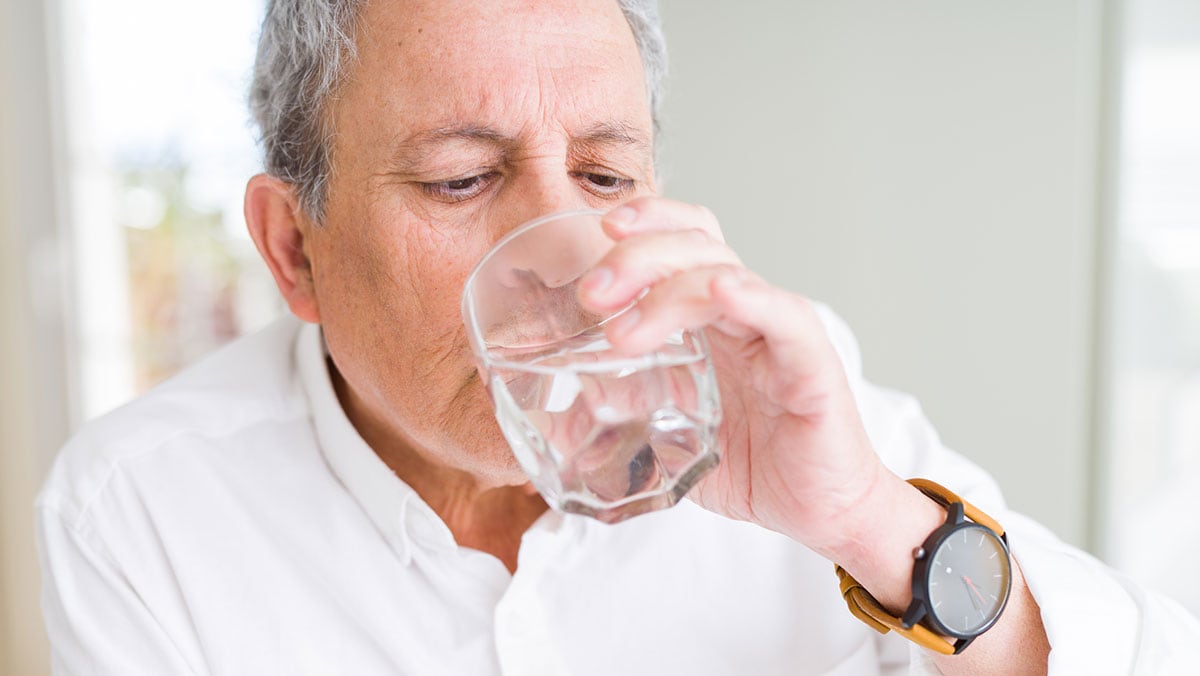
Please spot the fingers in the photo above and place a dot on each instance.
(675, 253)
(683, 301)
(644, 259)
(794, 335)
(734, 301)
(646, 214)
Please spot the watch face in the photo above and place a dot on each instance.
(969, 580)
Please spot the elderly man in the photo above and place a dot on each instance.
(333, 496)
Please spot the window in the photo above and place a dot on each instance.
(161, 147)
(1154, 411)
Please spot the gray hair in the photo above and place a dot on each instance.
(302, 54)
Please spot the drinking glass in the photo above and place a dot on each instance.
(598, 433)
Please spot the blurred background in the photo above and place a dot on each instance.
(1002, 199)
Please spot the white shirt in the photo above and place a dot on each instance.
(232, 521)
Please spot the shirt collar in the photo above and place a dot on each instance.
(401, 516)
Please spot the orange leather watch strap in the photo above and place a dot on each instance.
(864, 606)
(945, 497)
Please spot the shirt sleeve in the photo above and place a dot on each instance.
(96, 622)
(1096, 620)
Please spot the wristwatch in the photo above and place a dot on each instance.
(962, 576)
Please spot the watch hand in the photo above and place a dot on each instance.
(974, 602)
(975, 590)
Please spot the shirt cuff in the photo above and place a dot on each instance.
(1093, 622)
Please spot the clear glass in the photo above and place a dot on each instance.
(598, 433)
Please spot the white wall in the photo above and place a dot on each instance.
(33, 401)
(927, 167)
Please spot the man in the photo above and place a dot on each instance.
(339, 499)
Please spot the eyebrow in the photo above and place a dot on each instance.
(413, 151)
(468, 133)
(613, 133)
(417, 148)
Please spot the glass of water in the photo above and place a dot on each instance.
(598, 433)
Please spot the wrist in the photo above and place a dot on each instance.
(888, 524)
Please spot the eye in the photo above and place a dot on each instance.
(605, 184)
(458, 189)
(604, 181)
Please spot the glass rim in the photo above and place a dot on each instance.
(468, 307)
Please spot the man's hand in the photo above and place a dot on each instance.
(796, 458)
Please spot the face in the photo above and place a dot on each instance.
(969, 581)
(458, 122)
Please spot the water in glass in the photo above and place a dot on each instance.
(606, 436)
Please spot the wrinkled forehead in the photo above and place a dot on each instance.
(434, 64)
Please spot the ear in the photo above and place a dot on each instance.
(279, 227)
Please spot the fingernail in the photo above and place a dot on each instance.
(625, 322)
(595, 282)
(621, 216)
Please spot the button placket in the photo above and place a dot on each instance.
(522, 641)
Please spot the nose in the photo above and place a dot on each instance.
(534, 193)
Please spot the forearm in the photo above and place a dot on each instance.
(897, 519)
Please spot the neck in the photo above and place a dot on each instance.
(481, 513)
(485, 517)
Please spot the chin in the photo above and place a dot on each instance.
(481, 450)
(480, 442)
(503, 465)
(501, 472)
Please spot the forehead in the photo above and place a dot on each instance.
(495, 63)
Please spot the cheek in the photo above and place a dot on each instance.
(391, 287)
(407, 261)
(399, 261)
(428, 270)
(418, 286)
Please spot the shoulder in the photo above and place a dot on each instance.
(249, 383)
